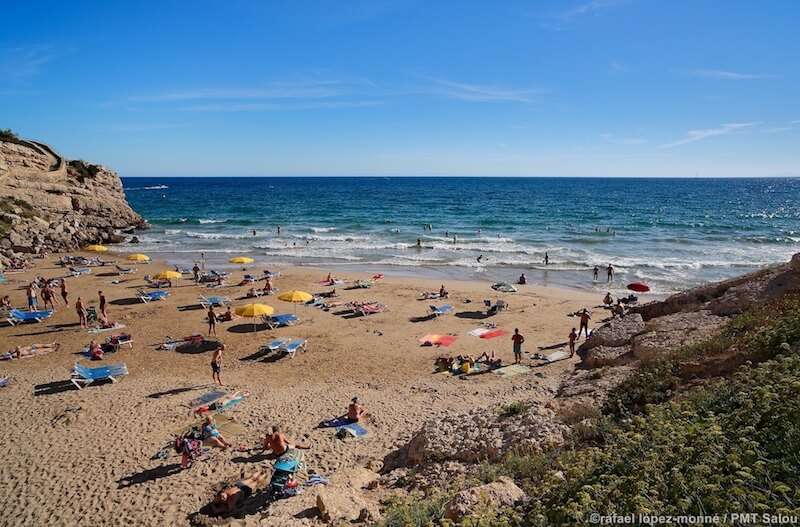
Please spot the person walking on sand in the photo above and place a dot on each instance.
(64, 292)
(517, 339)
(81, 310)
(48, 297)
(102, 298)
(595, 271)
(196, 273)
(216, 364)
(610, 273)
(585, 318)
(212, 321)
(572, 338)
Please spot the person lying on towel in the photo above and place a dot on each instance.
(231, 497)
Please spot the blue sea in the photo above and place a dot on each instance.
(670, 233)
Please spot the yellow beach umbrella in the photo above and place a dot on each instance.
(97, 248)
(254, 310)
(295, 296)
(138, 257)
(241, 260)
(168, 275)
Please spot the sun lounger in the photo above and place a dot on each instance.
(84, 376)
(276, 344)
(125, 270)
(77, 271)
(294, 346)
(150, 296)
(280, 321)
(18, 316)
(101, 329)
(216, 301)
(441, 310)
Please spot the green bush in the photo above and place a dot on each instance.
(515, 408)
(7, 135)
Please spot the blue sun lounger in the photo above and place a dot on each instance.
(276, 344)
(84, 376)
(441, 310)
(280, 321)
(216, 301)
(150, 296)
(290, 348)
(18, 316)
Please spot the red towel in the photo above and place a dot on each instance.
(494, 333)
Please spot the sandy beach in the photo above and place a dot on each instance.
(72, 455)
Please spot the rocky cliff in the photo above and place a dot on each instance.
(50, 204)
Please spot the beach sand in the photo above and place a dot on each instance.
(83, 457)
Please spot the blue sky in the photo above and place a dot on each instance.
(406, 87)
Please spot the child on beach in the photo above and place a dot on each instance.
(216, 364)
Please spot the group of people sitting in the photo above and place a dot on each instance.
(465, 363)
(97, 351)
(618, 308)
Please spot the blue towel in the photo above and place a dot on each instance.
(335, 423)
(353, 429)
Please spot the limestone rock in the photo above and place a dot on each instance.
(600, 356)
(672, 332)
(501, 493)
(58, 205)
(617, 332)
(483, 434)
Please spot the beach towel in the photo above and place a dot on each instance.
(351, 430)
(494, 334)
(504, 287)
(512, 370)
(437, 340)
(477, 332)
(226, 425)
(336, 422)
(4, 382)
(207, 398)
(553, 357)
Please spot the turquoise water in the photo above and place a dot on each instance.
(671, 233)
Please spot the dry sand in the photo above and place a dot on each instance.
(83, 457)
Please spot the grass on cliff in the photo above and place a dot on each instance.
(732, 444)
(8, 136)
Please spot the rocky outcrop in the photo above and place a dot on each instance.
(483, 434)
(610, 343)
(49, 204)
(673, 332)
(497, 494)
(729, 297)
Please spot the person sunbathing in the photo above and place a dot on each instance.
(231, 497)
(210, 433)
(328, 294)
(278, 443)
(444, 363)
(489, 360)
(443, 292)
(227, 316)
(21, 352)
(95, 350)
(355, 411)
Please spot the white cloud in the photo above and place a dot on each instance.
(611, 138)
(699, 135)
(20, 64)
(482, 93)
(275, 90)
(556, 21)
(277, 107)
(728, 75)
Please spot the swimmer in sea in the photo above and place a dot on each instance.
(480, 258)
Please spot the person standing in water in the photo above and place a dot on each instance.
(546, 258)
(610, 273)
(279, 230)
(419, 243)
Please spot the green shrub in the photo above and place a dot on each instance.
(515, 408)
(415, 512)
(7, 135)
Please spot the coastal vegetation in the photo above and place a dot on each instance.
(671, 440)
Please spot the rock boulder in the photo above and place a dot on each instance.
(501, 493)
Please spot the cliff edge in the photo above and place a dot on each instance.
(50, 204)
